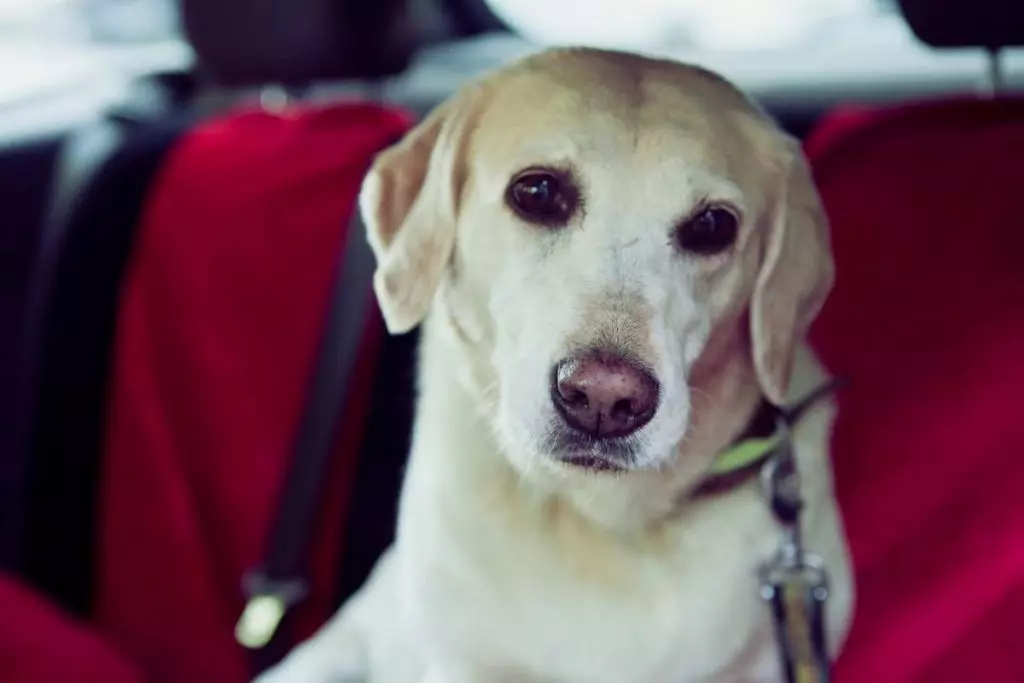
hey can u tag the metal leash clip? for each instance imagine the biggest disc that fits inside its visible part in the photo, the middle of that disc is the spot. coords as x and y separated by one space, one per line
794 582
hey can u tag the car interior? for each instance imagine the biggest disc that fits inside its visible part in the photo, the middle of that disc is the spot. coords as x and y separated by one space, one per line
200 406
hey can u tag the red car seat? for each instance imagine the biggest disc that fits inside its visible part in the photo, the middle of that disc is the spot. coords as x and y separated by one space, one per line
927 318
221 310
178 333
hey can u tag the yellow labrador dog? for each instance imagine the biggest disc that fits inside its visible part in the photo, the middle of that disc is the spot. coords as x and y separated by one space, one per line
615 260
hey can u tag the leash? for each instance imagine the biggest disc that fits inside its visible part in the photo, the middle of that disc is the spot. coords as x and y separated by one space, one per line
794 583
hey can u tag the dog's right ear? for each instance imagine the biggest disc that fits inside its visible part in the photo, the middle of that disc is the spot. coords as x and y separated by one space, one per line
409 204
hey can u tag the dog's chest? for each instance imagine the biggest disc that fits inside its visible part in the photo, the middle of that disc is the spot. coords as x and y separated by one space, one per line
564 604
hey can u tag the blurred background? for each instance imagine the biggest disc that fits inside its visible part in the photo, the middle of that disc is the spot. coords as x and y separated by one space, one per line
64 60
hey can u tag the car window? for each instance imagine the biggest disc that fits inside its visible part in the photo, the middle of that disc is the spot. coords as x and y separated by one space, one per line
65 59
810 54
707 24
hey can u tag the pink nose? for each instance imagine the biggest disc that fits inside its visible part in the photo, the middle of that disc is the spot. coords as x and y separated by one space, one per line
604 395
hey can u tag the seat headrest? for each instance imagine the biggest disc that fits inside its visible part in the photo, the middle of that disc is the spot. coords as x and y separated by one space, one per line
294 42
966 23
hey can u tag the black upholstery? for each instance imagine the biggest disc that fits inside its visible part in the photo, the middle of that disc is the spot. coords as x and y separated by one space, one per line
472 17
75 340
296 42
990 24
25 176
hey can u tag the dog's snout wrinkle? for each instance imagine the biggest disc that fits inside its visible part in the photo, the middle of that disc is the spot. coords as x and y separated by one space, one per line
604 395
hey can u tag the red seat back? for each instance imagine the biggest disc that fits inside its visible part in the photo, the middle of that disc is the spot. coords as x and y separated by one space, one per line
928 319
221 310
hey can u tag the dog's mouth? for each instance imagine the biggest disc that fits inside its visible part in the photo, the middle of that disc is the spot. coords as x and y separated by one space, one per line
593 463
579 451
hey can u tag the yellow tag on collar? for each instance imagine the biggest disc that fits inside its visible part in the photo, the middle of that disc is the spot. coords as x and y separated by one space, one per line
744 454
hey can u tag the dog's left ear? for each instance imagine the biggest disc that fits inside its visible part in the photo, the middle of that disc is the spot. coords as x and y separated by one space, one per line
409 203
795 277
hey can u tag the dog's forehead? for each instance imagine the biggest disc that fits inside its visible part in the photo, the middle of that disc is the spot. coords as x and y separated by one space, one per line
609 115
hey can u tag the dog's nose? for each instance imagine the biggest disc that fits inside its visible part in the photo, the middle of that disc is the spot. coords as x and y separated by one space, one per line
604 395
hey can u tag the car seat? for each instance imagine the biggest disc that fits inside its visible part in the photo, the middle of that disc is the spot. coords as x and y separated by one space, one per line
142 534
926 318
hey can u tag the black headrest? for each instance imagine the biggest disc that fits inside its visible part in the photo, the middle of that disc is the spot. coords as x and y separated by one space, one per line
966 23
294 42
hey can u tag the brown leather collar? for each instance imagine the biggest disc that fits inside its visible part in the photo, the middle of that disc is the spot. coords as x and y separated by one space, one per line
762 425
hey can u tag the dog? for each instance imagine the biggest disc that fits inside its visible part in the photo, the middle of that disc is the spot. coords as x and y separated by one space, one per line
615 260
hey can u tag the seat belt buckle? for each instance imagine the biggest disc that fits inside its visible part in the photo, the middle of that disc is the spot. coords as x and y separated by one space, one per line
267 602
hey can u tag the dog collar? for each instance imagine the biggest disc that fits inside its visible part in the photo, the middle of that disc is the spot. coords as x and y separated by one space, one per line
767 430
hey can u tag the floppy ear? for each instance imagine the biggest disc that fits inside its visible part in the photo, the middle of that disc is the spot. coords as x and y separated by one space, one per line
409 202
795 278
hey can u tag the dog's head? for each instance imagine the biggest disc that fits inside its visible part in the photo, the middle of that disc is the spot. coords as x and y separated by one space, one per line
626 248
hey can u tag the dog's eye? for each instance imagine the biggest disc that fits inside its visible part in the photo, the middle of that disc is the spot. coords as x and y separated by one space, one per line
711 231
542 197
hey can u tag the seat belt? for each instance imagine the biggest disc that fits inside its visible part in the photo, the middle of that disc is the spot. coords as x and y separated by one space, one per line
280 581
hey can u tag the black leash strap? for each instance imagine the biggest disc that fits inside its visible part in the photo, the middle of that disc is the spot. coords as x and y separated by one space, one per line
280 581
795 582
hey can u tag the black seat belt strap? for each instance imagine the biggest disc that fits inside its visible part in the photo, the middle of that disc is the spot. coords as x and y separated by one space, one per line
280 581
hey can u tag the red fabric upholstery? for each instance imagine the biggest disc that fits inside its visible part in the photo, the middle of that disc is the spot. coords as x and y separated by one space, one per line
39 645
221 311
928 319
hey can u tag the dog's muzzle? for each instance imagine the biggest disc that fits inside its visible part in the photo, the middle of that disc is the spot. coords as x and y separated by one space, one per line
602 398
